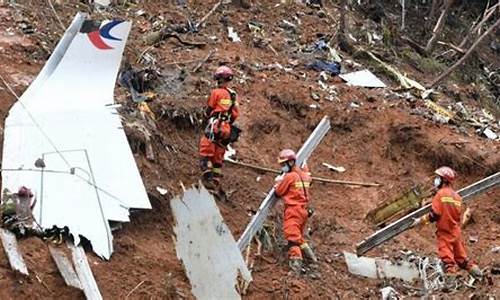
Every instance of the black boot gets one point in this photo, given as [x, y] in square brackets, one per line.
[207, 179]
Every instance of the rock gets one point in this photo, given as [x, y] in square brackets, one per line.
[495, 269]
[315, 96]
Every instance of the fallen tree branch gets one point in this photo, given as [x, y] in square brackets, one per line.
[42, 282]
[202, 20]
[161, 35]
[456, 48]
[198, 66]
[404, 81]
[57, 16]
[439, 26]
[134, 289]
[319, 179]
[416, 46]
[465, 56]
[475, 28]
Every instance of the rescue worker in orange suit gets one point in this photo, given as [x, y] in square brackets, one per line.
[446, 212]
[293, 188]
[222, 111]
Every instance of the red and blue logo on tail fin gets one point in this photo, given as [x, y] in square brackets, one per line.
[96, 37]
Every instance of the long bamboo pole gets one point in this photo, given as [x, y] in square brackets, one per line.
[319, 179]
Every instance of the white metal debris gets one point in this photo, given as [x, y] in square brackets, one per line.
[67, 118]
[15, 258]
[65, 267]
[355, 104]
[490, 134]
[431, 273]
[288, 25]
[102, 2]
[161, 190]
[363, 78]
[380, 268]
[389, 293]
[258, 219]
[233, 35]
[339, 169]
[427, 93]
[87, 280]
[230, 153]
[206, 246]
[363, 266]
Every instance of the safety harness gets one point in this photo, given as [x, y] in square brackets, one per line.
[213, 131]
[310, 211]
[303, 187]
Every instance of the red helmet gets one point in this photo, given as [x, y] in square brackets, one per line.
[286, 155]
[24, 192]
[223, 72]
[446, 173]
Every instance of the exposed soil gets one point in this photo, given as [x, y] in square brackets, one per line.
[382, 140]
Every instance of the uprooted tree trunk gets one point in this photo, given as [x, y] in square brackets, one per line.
[466, 55]
[439, 26]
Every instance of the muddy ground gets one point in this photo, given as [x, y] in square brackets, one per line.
[386, 139]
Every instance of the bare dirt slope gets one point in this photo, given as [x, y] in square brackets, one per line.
[385, 140]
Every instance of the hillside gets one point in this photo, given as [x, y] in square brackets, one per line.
[384, 135]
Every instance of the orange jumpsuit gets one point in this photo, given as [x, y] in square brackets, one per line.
[446, 212]
[211, 152]
[294, 190]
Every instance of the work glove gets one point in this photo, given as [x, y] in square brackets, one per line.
[421, 221]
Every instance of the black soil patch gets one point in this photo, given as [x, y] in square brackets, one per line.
[407, 142]
[347, 124]
[263, 126]
[296, 108]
